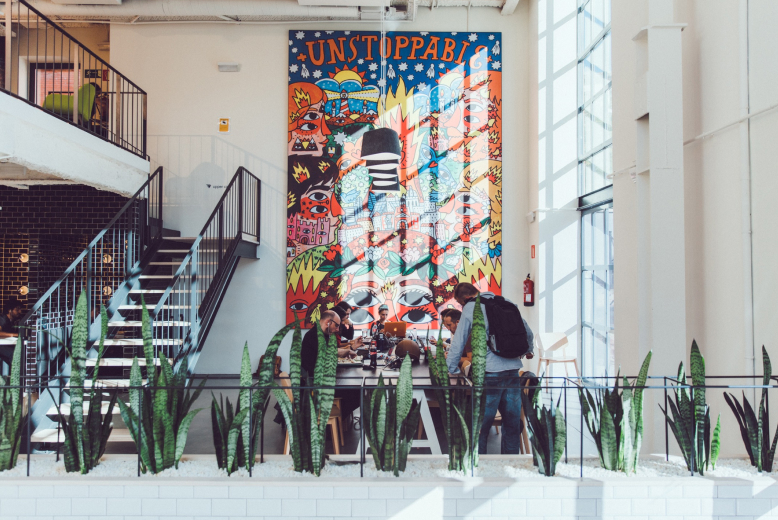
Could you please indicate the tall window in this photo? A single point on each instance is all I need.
(48, 78)
(595, 163)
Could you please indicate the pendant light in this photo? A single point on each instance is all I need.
(381, 147)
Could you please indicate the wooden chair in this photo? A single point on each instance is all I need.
(553, 349)
(332, 422)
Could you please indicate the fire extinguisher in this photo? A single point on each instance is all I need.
(529, 292)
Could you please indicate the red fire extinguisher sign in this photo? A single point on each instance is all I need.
(529, 292)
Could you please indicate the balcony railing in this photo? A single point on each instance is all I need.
(46, 67)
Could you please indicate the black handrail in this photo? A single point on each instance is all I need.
(192, 297)
(120, 121)
(100, 270)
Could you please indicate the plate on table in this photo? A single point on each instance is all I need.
(350, 362)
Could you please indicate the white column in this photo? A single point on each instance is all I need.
(660, 185)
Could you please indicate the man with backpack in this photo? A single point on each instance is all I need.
(509, 338)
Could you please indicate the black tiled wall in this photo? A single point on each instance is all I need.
(53, 224)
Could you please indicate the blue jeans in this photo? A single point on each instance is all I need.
(508, 402)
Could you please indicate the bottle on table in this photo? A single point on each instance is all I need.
(373, 354)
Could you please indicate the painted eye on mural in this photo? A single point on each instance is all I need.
(316, 210)
(414, 298)
(466, 211)
(466, 198)
(360, 317)
(345, 164)
(362, 299)
(471, 119)
(317, 196)
(417, 316)
(308, 127)
(298, 306)
(311, 116)
(475, 108)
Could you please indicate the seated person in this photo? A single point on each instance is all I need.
(309, 353)
(345, 341)
(11, 313)
(346, 327)
(383, 315)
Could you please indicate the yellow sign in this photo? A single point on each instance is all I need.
(224, 126)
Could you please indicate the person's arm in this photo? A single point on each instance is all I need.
(530, 340)
(460, 338)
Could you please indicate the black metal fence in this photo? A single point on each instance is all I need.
(563, 391)
(48, 68)
(99, 271)
(188, 304)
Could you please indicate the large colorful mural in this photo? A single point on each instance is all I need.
(408, 249)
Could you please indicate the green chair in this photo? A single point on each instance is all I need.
(62, 104)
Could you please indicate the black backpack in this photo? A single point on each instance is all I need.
(507, 334)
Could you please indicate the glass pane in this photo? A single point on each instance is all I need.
(598, 235)
(600, 352)
(600, 299)
(587, 291)
(586, 240)
(587, 337)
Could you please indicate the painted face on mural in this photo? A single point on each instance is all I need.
(308, 129)
(406, 250)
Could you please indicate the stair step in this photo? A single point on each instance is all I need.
(51, 435)
(121, 362)
(173, 251)
(181, 239)
(139, 307)
(179, 263)
(108, 383)
(140, 323)
(139, 341)
(65, 409)
(156, 276)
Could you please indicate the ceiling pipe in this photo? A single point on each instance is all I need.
(278, 9)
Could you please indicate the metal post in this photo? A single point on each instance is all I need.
(29, 424)
(8, 41)
(140, 421)
(89, 284)
(667, 437)
(692, 452)
(221, 233)
(117, 119)
(240, 205)
(582, 439)
(143, 124)
(565, 387)
(362, 429)
(251, 436)
(473, 447)
(194, 324)
(76, 82)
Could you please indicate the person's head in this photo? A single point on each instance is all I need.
(383, 313)
(330, 322)
(346, 309)
(464, 291)
(13, 308)
(451, 320)
(340, 312)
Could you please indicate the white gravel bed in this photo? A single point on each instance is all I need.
(417, 468)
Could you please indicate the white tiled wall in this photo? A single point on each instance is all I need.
(674, 499)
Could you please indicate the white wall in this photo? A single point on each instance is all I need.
(717, 302)
(176, 65)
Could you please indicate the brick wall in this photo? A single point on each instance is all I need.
(53, 224)
(14, 273)
(406, 499)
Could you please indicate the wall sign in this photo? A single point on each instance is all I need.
(409, 249)
(101, 74)
(224, 125)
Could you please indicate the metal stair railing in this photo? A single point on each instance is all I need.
(102, 271)
(188, 305)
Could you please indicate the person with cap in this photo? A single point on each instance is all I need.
(383, 315)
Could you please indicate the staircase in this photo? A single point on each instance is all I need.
(182, 281)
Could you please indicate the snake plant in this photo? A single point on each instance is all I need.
(158, 416)
(478, 374)
(85, 440)
(690, 420)
(307, 413)
(454, 403)
(226, 425)
(547, 432)
(614, 418)
(11, 413)
(391, 419)
(756, 431)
